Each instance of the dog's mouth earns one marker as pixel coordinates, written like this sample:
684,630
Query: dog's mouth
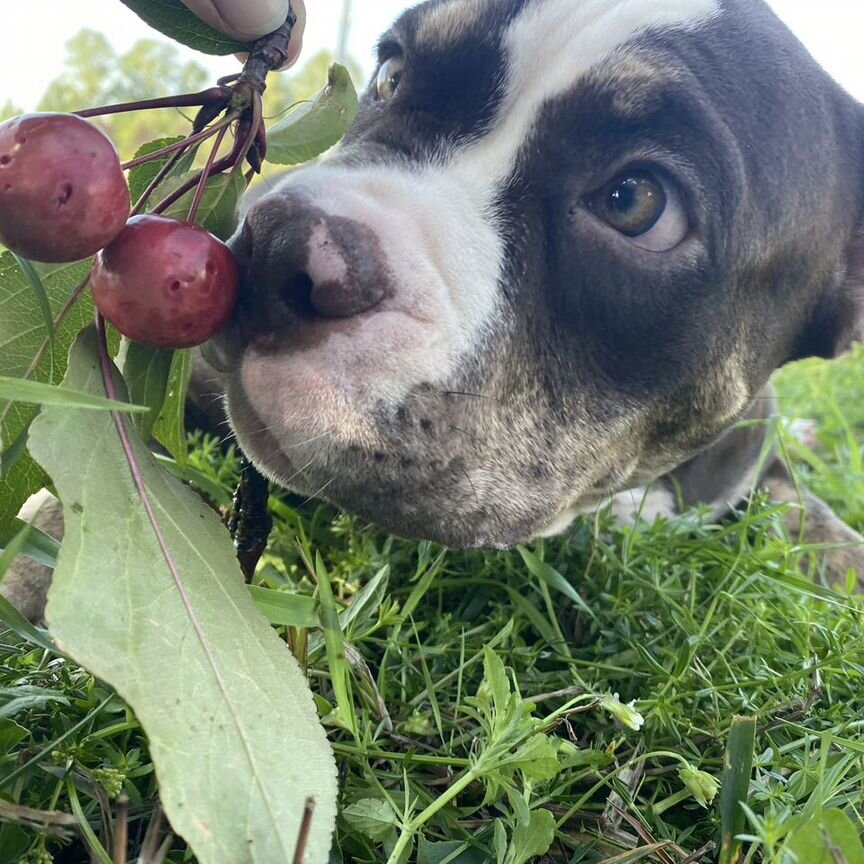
443,464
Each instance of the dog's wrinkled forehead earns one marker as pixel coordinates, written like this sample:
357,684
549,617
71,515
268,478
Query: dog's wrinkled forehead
488,67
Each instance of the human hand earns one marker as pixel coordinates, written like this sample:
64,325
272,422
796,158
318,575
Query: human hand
247,20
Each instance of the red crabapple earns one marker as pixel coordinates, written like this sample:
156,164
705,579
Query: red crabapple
63,195
165,283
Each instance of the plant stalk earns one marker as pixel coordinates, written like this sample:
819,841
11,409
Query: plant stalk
211,96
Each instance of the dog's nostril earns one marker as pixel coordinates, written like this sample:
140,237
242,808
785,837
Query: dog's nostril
346,298
297,294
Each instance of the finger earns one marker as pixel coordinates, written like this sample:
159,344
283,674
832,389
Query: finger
245,20
296,44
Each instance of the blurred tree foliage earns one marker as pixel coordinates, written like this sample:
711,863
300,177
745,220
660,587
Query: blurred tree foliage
95,74
8,110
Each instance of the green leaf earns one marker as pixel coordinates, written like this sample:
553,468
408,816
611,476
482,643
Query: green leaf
808,588
233,733
147,372
174,20
372,818
41,296
17,700
737,770
37,544
11,734
22,628
500,841
170,427
830,838
14,842
365,603
32,392
532,840
143,175
571,756
449,852
537,760
495,676
25,353
284,609
201,481
316,126
334,641
554,580
218,211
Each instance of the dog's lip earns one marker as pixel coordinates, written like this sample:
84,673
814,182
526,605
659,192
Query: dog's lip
324,376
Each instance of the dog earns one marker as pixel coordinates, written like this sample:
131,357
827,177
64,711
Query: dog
553,264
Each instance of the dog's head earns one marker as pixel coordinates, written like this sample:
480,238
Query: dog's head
564,245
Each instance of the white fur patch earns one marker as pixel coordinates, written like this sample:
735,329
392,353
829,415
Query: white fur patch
641,504
553,45
644,505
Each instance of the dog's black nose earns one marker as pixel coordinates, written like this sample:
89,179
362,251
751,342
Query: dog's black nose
301,261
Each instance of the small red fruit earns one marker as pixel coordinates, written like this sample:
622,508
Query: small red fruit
165,283
63,195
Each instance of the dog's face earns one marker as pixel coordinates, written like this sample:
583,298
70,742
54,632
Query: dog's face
564,245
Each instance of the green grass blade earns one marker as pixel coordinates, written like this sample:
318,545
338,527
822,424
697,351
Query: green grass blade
44,305
36,545
737,771
35,393
551,577
334,640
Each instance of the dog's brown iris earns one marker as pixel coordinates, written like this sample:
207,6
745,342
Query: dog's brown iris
632,203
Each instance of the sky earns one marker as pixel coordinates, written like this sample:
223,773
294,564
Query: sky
830,28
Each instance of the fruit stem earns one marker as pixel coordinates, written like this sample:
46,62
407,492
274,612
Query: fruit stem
164,171
253,144
211,96
226,162
181,146
205,175
268,54
217,168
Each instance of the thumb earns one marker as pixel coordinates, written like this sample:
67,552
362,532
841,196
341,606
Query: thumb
247,20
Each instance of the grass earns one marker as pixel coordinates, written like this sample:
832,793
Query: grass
471,698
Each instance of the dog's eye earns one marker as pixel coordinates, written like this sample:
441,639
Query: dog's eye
389,76
644,208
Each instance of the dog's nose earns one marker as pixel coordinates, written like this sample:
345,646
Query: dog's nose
302,261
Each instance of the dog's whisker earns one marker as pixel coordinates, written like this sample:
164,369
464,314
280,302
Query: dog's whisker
297,473
320,491
322,437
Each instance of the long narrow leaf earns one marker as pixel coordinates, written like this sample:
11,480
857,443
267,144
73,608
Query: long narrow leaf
44,305
737,771
18,390
36,544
